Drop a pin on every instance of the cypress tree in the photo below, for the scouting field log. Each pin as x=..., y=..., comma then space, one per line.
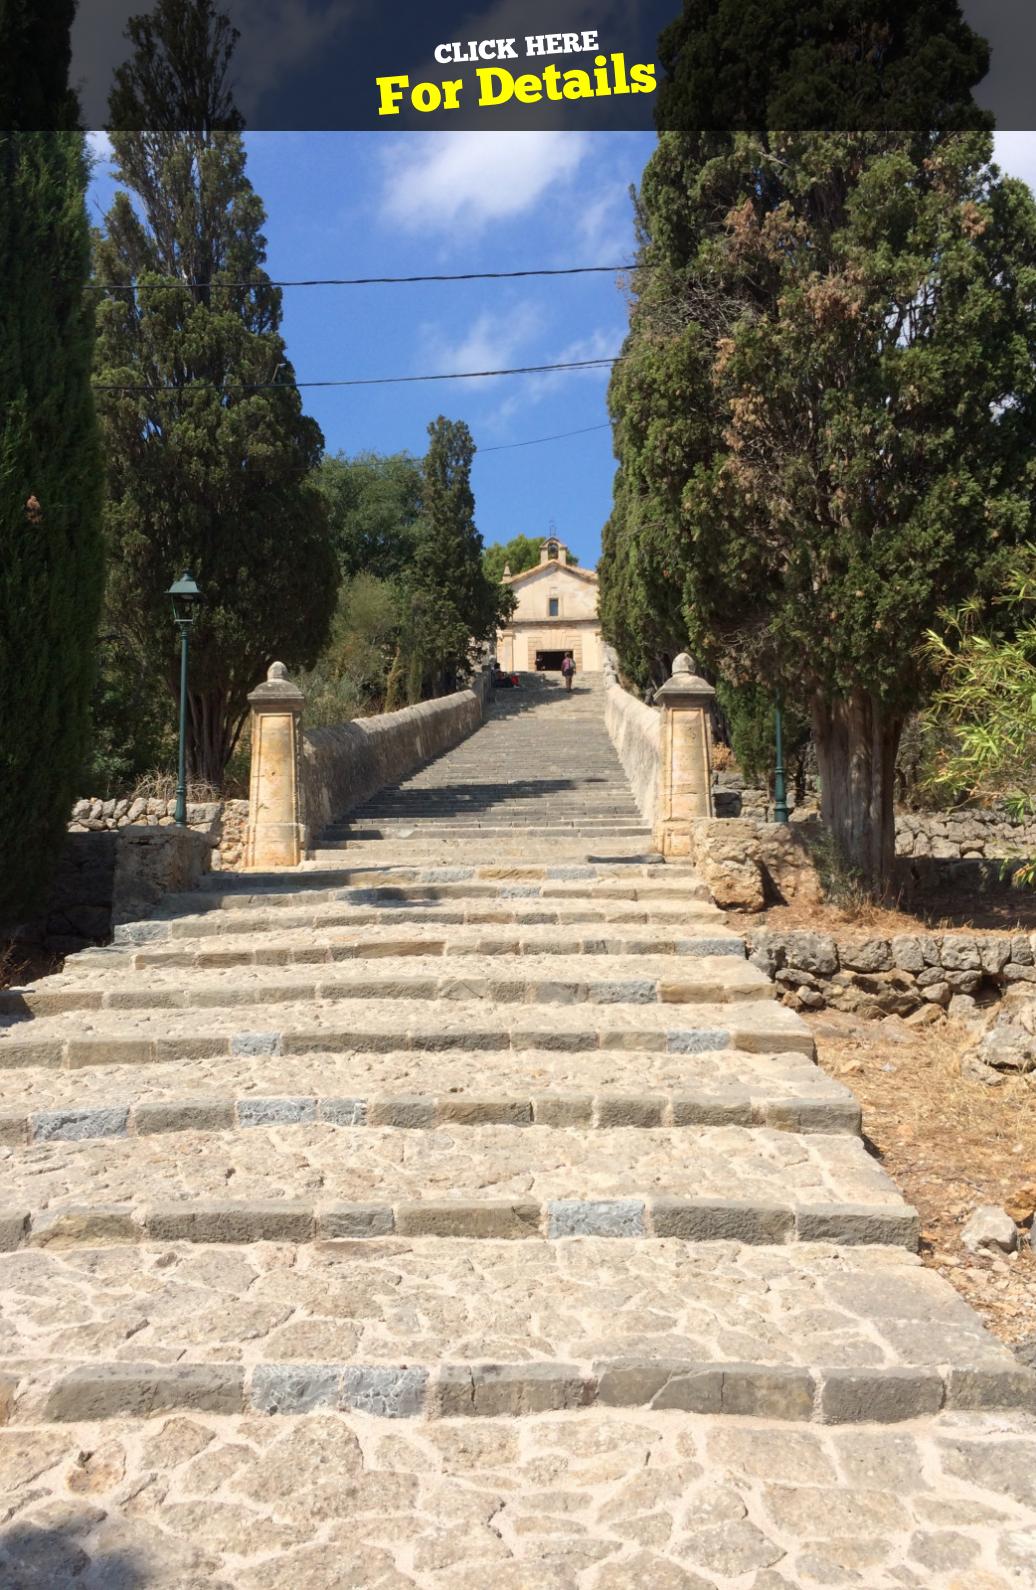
x=35, y=54
x=826, y=417
x=210, y=457
x=50, y=490
x=454, y=607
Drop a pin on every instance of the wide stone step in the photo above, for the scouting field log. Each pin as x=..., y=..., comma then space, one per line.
x=402, y=1089
x=405, y=1329
x=275, y=916
x=286, y=946
x=124, y=1037
x=614, y=1499
x=528, y=979
x=694, y=1183
x=322, y=887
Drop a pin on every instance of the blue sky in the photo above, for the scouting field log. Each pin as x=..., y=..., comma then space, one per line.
x=365, y=204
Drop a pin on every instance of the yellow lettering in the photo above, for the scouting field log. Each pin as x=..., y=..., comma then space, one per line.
x=528, y=88
x=488, y=95
x=643, y=79
x=391, y=94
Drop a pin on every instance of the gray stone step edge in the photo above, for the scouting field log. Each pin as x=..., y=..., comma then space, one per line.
x=598, y=1111
x=91, y=1392
x=157, y=930
x=17, y=1051
x=683, y=987
x=327, y=891
x=119, y=958
x=295, y=1221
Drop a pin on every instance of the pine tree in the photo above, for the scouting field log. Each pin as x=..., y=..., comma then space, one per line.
x=210, y=457
x=454, y=608
x=50, y=490
x=825, y=414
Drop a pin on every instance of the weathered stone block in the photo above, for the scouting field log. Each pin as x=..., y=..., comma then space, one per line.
x=460, y=1110
x=342, y=1112
x=764, y=1392
x=75, y=1225
x=401, y=1113
x=14, y=1128
x=601, y=1217
x=715, y=1220
x=508, y=1390
x=255, y=1043
x=245, y=1221
x=105, y=1391
x=14, y=1223
x=75, y=1125
x=879, y=1396
x=295, y=1388
x=336, y=1221
x=468, y=1218
x=563, y=1109
x=891, y=1225
x=697, y=1040
x=276, y=1112
x=612, y=1110
x=187, y=1115
x=388, y=1393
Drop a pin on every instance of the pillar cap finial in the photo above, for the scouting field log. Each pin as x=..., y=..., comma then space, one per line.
x=276, y=690
x=685, y=685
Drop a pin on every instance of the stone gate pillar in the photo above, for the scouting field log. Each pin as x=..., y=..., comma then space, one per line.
x=685, y=760
x=276, y=834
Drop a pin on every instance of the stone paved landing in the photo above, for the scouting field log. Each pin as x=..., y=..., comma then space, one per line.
x=597, y=1501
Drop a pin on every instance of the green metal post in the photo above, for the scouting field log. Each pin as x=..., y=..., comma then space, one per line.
x=180, y=814
x=781, y=813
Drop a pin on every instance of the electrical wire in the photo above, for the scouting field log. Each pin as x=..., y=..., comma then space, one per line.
x=378, y=380
x=535, y=441
x=365, y=281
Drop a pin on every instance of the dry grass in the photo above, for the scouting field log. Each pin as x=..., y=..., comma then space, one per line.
x=950, y=1145
x=998, y=911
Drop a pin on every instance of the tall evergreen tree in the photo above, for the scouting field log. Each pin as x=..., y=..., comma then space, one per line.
x=35, y=54
x=50, y=503
x=454, y=608
x=210, y=457
x=825, y=414
x=843, y=65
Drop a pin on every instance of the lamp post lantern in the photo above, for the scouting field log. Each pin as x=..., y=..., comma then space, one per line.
x=185, y=597
x=780, y=792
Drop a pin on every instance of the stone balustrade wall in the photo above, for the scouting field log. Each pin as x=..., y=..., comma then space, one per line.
x=344, y=765
x=635, y=731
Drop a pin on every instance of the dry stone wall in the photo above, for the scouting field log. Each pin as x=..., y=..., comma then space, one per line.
x=894, y=976
x=222, y=823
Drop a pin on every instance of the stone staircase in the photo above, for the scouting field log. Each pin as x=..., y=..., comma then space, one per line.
x=462, y=1208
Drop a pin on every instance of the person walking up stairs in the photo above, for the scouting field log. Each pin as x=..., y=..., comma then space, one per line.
x=463, y=1209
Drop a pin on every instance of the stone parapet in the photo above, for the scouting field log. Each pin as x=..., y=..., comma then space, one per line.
x=635, y=731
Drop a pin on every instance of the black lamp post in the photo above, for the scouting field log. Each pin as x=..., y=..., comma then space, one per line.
x=780, y=791
x=185, y=597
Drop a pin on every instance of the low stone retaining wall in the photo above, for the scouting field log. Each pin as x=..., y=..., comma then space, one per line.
x=635, y=731
x=222, y=823
x=107, y=876
x=894, y=976
x=345, y=764
x=964, y=835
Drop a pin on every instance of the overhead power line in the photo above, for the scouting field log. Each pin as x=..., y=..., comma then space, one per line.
x=535, y=441
x=365, y=281
x=148, y=390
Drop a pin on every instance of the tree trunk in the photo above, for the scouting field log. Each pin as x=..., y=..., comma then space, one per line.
x=857, y=740
x=209, y=744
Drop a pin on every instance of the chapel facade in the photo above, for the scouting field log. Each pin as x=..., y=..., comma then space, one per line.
x=556, y=612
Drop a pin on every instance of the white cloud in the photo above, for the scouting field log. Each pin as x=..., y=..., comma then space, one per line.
x=491, y=342
x=532, y=389
x=460, y=182
x=1016, y=153
x=100, y=146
